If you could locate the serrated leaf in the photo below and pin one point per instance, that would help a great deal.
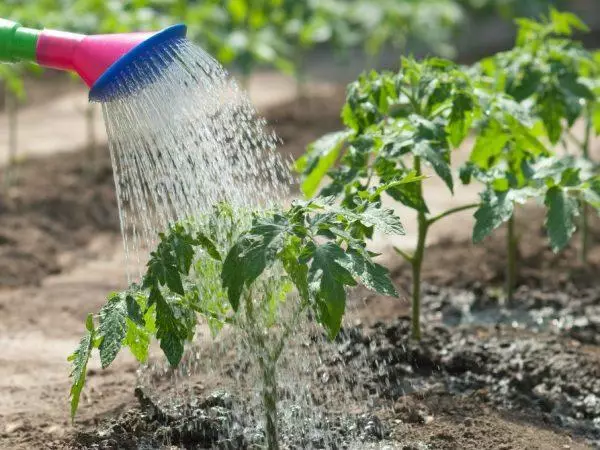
(320, 156)
(134, 311)
(328, 277)
(181, 244)
(112, 328)
(560, 217)
(208, 245)
(79, 361)
(409, 195)
(551, 110)
(297, 270)
(372, 275)
(460, 119)
(489, 145)
(435, 157)
(493, 212)
(383, 219)
(173, 280)
(252, 254)
(137, 340)
(169, 331)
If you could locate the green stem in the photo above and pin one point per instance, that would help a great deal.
(585, 149)
(13, 143)
(268, 366)
(511, 268)
(269, 395)
(405, 255)
(417, 261)
(450, 212)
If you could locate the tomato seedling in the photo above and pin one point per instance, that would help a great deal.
(556, 77)
(396, 124)
(239, 269)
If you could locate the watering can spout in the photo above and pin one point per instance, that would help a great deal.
(96, 59)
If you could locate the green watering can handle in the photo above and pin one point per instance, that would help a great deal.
(17, 43)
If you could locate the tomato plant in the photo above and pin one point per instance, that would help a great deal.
(239, 269)
(556, 76)
(397, 123)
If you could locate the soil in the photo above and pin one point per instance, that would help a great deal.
(486, 376)
(53, 206)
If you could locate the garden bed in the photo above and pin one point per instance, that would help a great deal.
(478, 380)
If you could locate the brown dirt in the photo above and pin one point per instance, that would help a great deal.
(301, 122)
(57, 208)
(465, 265)
(54, 205)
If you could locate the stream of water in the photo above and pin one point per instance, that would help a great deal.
(183, 136)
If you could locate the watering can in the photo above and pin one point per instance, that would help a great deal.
(97, 59)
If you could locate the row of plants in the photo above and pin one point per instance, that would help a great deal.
(262, 272)
(518, 105)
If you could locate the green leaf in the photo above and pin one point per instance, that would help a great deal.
(560, 217)
(551, 110)
(596, 117)
(383, 219)
(489, 145)
(208, 245)
(320, 157)
(437, 159)
(112, 328)
(168, 331)
(79, 360)
(327, 278)
(252, 254)
(182, 244)
(138, 341)
(297, 270)
(372, 275)
(496, 208)
(409, 195)
(493, 212)
(460, 119)
(134, 311)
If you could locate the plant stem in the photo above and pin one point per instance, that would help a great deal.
(585, 149)
(417, 262)
(511, 267)
(268, 366)
(13, 143)
(270, 402)
(450, 212)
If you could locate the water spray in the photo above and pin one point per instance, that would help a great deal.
(97, 59)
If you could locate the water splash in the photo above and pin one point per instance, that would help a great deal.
(182, 137)
(182, 140)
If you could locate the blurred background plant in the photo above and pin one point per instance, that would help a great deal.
(246, 35)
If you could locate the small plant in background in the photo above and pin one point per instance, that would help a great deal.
(556, 78)
(563, 185)
(397, 123)
(240, 271)
(13, 92)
